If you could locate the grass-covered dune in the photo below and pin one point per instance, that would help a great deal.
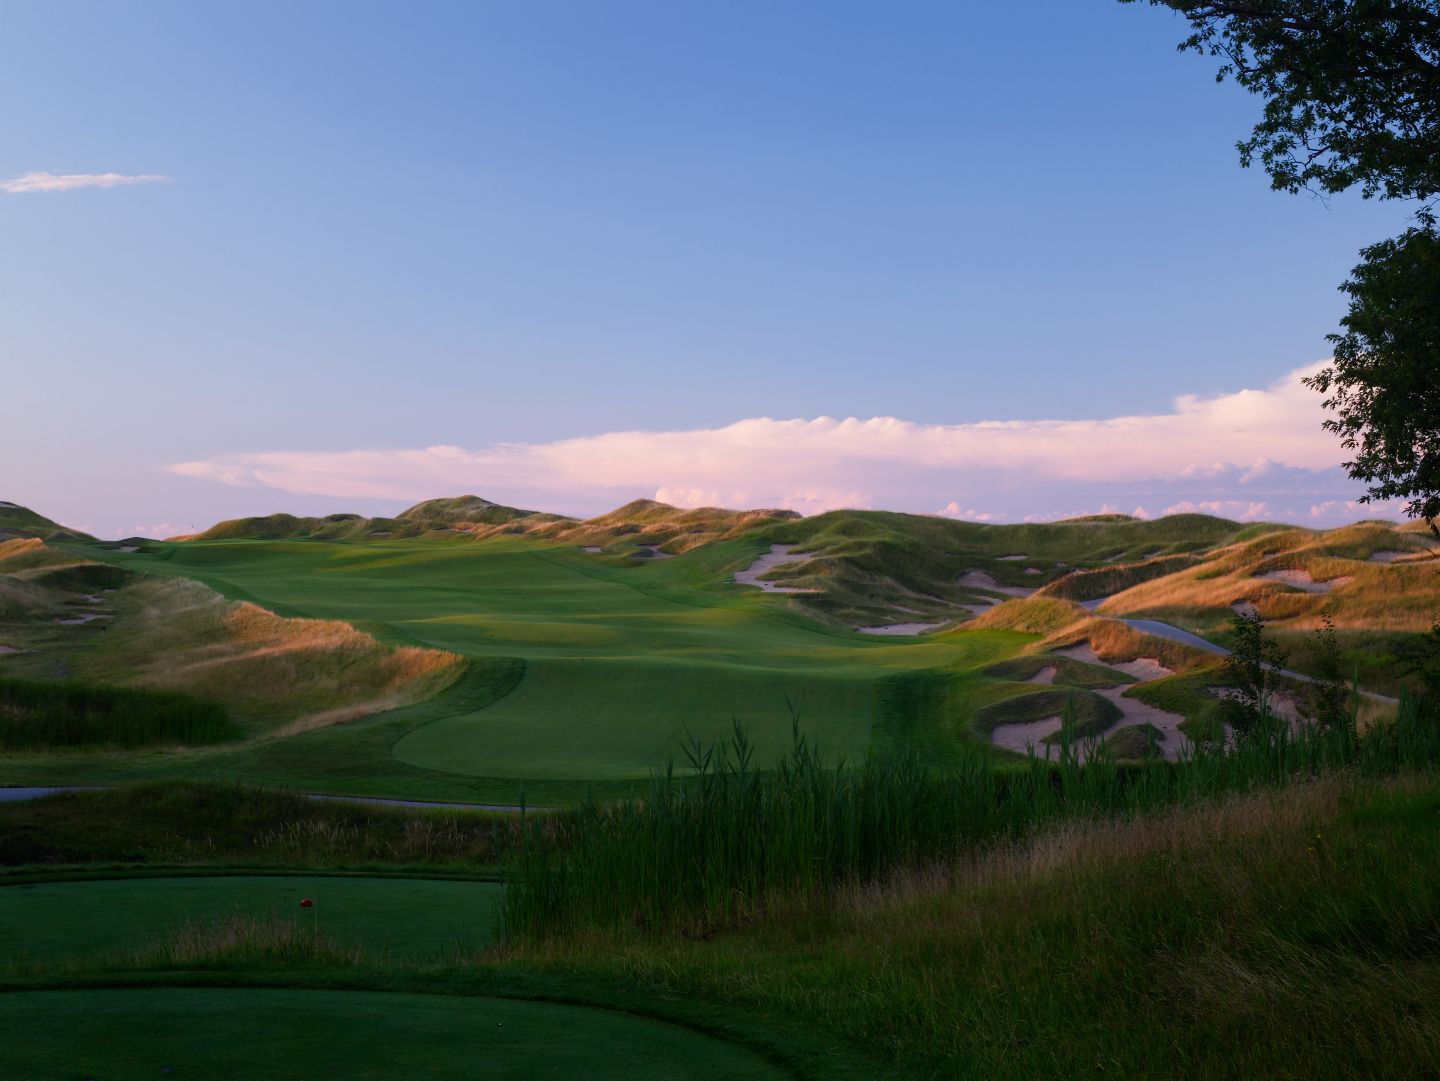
(92, 624)
(597, 647)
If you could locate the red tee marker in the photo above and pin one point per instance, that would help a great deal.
(306, 903)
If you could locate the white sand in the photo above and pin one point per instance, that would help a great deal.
(593, 549)
(1137, 712)
(780, 555)
(1301, 579)
(1245, 608)
(8, 649)
(981, 580)
(1021, 737)
(1132, 712)
(83, 618)
(1011, 559)
(655, 552)
(128, 548)
(900, 628)
(1389, 555)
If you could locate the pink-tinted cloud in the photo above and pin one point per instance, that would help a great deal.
(49, 182)
(1253, 453)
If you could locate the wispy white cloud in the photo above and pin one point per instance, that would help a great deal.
(43, 182)
(1252, 453)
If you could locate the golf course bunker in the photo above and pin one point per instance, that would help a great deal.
(1169, 739)
(1303, 580)
(1026, 736)
(302, 1035)
(900, 628)
(397, 918)
(981, 580)
(82, 619)
(780, 555)
(1389, 555)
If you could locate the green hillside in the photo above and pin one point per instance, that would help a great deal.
(18, 521)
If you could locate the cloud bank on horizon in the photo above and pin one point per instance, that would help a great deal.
(50, 182)
(1250, 455)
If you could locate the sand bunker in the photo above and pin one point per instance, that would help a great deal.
(1011, 559)
(655, 553)
(8, 649)
(82, 618)
(1170, 740)
(1245, 608)
(128, 548)
(1389, 555)
(1302, 580)
(593, 549)
(1028, 736)
(780, 555)
(981, 580)
(900, 628)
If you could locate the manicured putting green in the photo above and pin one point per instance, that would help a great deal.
(621, 662)
(291, 1035)
(407, 919)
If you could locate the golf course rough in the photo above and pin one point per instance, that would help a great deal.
(218, 1034)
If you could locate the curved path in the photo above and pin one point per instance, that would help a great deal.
(1175, 634)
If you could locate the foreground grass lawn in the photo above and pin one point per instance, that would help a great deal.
(297, 1035)
(400, 919)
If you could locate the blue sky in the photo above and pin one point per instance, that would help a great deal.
(394, 227)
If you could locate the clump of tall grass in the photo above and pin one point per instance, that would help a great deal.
(38, 715)
(246, 940)
(718, 842)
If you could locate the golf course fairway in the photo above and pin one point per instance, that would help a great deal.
(622, 663)
(209, 1034)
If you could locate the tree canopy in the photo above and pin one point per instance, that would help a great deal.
(1351, 88)
(1384, 383)
(1352, 97)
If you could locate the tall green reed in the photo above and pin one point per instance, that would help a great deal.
(720, 839)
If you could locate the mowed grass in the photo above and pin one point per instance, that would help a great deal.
(93, 920)
(299, 1035)
(622, 663)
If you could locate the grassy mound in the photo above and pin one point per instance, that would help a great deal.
(1068, 671)
(215, 824)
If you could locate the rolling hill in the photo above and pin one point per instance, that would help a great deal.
(593, 649)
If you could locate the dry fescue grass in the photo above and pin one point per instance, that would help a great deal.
(274, 673)
(240, 940)
(1394, 597)
(29, 553)
(644, 521)
(1031, 615)
(1270, 934)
